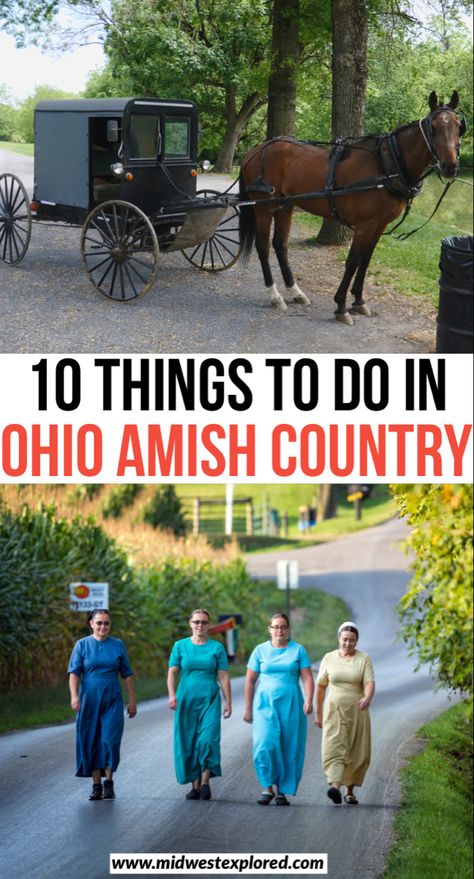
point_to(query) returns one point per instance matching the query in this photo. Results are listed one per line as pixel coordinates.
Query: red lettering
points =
(277, 434)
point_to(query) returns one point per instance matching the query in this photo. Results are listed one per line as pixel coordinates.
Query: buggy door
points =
(158, 154)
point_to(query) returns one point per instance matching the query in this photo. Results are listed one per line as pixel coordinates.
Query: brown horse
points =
(391, 167)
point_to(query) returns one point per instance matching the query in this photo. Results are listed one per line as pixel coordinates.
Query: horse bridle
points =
(426, 127)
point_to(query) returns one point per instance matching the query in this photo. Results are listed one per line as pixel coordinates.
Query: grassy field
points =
(434, 826)
(315, 617)
(24, 149)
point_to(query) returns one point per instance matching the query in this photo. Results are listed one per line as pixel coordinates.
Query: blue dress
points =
(279, 722)
(99, 724)
(197, 720)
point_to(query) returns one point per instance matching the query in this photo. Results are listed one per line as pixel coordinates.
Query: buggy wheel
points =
(222, 249)
(119, 249)
(15, 219)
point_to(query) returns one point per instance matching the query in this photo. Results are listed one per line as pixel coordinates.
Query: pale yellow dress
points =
(346, 729)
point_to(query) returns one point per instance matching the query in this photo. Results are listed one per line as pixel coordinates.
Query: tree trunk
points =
(235, 125)
(284, 68)
(327, 501)
(349, 80)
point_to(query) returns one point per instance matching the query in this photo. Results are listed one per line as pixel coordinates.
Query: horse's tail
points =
(247, 224)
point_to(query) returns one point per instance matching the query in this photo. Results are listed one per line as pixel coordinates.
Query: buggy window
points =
(177, 137)
(144, 133)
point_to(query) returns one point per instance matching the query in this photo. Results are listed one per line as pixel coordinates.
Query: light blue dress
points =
(99, 724)
(197, 721)
(279, 722)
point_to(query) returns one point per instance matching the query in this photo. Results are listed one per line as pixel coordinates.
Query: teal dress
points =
(99, 724)
(279, 722)
(197, 721)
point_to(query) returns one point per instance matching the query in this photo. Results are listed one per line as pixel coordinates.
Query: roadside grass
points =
(412, 266)
(315, 617)
(434, 826)
(25, 149)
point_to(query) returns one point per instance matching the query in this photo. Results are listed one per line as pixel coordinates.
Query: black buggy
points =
(125, 169)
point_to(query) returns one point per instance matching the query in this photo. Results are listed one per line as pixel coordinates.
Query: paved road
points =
(48, 305)
(50, 830)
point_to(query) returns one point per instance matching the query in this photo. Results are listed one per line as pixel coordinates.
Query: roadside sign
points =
(287, 574)
(86, 596)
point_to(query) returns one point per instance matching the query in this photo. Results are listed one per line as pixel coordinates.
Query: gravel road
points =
(48, 305)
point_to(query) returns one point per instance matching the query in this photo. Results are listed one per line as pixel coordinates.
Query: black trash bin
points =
(455, 312)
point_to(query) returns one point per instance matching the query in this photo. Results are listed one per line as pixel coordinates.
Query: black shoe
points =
(205, 792)
(265, 799)
(96, 793)
(281, 800)
(335, 795)
(109, 793)
(193, 794)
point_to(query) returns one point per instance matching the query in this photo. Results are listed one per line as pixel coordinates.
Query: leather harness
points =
(386, 149)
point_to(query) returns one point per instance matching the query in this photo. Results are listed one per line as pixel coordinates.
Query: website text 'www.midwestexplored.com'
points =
(217, 864)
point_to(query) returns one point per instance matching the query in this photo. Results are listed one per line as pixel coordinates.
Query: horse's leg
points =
(363, 244)
(280, 246)
(262, 244)
(352, 262)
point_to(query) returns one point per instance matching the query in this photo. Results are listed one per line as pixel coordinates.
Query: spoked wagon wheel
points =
(119, 249)
(222, 249)
(15, 219)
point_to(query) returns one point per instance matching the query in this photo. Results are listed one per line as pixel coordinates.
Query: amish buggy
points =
(125, 169)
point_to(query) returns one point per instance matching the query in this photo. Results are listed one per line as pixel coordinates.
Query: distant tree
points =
(7, 114)
(24, 117)
(164, 511)
(214, 51)
(436, 611)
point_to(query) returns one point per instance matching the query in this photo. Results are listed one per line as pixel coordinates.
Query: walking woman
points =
(202, 664)
(345, 722)
(278, 711)
(94, 667)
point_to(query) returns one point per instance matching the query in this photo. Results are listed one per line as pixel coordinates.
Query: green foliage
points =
(119, 498)
(7, 114)
(40, 554)
(404, 70)
(21, 18)
(436, 612)
(164, 511)
(172, 588)
(24, 117)
(85, 492)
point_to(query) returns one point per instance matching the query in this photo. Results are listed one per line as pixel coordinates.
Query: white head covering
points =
(346, 625)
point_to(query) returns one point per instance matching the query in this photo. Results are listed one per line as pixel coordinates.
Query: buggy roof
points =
(106, 105)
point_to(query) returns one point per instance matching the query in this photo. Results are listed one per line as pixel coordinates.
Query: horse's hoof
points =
(279, 304)
(361, 309)
(345, 318)
(298, 295)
